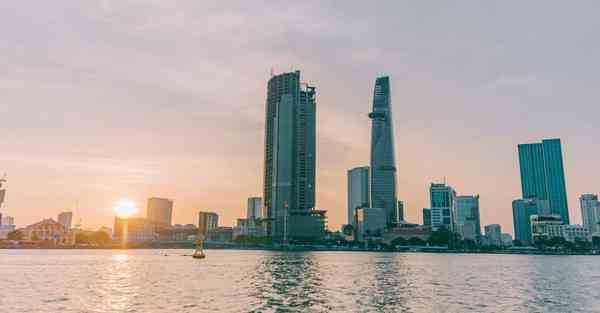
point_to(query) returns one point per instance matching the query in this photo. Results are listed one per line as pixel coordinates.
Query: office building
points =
(545, 227)
(467, 219)
(383, 158)
(426, 217)
(590, 212)
(370, 223)
(65, 219)
(254, 208)
(160, 211)
(290, 156)
(400, 211)
(507, 240)
(247, 227)
(493, 234)
(207, 221)
(442, 203)
(543, 175)
(523, 209)
(358, 191)
(134, 230)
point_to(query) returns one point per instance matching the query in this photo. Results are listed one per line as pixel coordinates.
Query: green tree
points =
(416, 241)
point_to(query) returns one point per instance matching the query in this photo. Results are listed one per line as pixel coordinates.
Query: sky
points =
(108, 100)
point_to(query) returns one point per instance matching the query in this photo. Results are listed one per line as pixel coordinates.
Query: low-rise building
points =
(570, 233)
(493, 234)
(507, 240)
(220, 234)
(407, 232)
(543, 227)
(248, 227)
(48, 230)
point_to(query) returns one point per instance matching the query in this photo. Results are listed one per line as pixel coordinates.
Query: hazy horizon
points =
(136, 99)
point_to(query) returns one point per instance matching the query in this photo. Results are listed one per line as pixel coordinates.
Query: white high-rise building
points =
(590, 212)
(65, 219)
(254, 210)
(443, 201)
(358, 191)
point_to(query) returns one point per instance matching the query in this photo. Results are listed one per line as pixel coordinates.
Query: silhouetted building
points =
(134, 230)
(442, 206)
(370, 223)
(543, 175)
(358, 190)
(400, 211)
(383, 158)
(590, 212)
(290, 156)
(207, 221)
(523, 209)
(160, 211)
(426, 217)
(254, 209)
(467, 219)
(65, 219)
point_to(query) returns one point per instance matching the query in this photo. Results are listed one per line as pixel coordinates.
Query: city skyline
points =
(81, 130)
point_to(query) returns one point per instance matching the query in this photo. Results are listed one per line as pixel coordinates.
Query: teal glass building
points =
(383, 158)
(543, 175)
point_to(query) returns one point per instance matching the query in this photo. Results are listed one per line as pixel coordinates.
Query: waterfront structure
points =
(507, 240)
(65, 219)
(358, 191)
(543, 175)
(207, 221)
(221, 234)
(407, 232)
(383, 158)
(543, 227)
(426, 217)
(401, 212)
(160, 211)
(370, 223)
(254, 208)
(467, 219)
(290, 156)
(570, 233)
(442, 204)
(247, 227)
(2, 196)
(49, 231)
(590, 212)
(134, 230)
(7, 225)
(493, 234)
(523, 209)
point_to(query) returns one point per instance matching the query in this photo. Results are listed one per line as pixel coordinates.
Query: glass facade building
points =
(543, 175)
(467, 219)
(289, 165)
(358, 191)
(383, 158)
(523, 209)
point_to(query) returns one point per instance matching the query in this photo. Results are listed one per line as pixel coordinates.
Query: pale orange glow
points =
(126, 208)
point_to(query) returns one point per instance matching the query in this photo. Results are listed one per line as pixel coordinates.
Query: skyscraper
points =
(289, 171)
(543, 175)
(358, 190)
(254, 209)
(467, 219)
(65, 219)
(523, 209)
(590, 212)
(442, 206)
(160, 211)
(383, 159)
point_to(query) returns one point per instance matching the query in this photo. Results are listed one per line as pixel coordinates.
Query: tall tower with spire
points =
(383, 157)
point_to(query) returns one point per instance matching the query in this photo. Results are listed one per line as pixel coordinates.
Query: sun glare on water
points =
(126, 208)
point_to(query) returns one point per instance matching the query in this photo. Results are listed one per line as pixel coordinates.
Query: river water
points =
(266, 281)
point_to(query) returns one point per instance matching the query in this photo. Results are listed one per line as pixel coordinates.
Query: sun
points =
(126, 208)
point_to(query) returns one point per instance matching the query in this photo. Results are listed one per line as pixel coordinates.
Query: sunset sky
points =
(110, 100)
